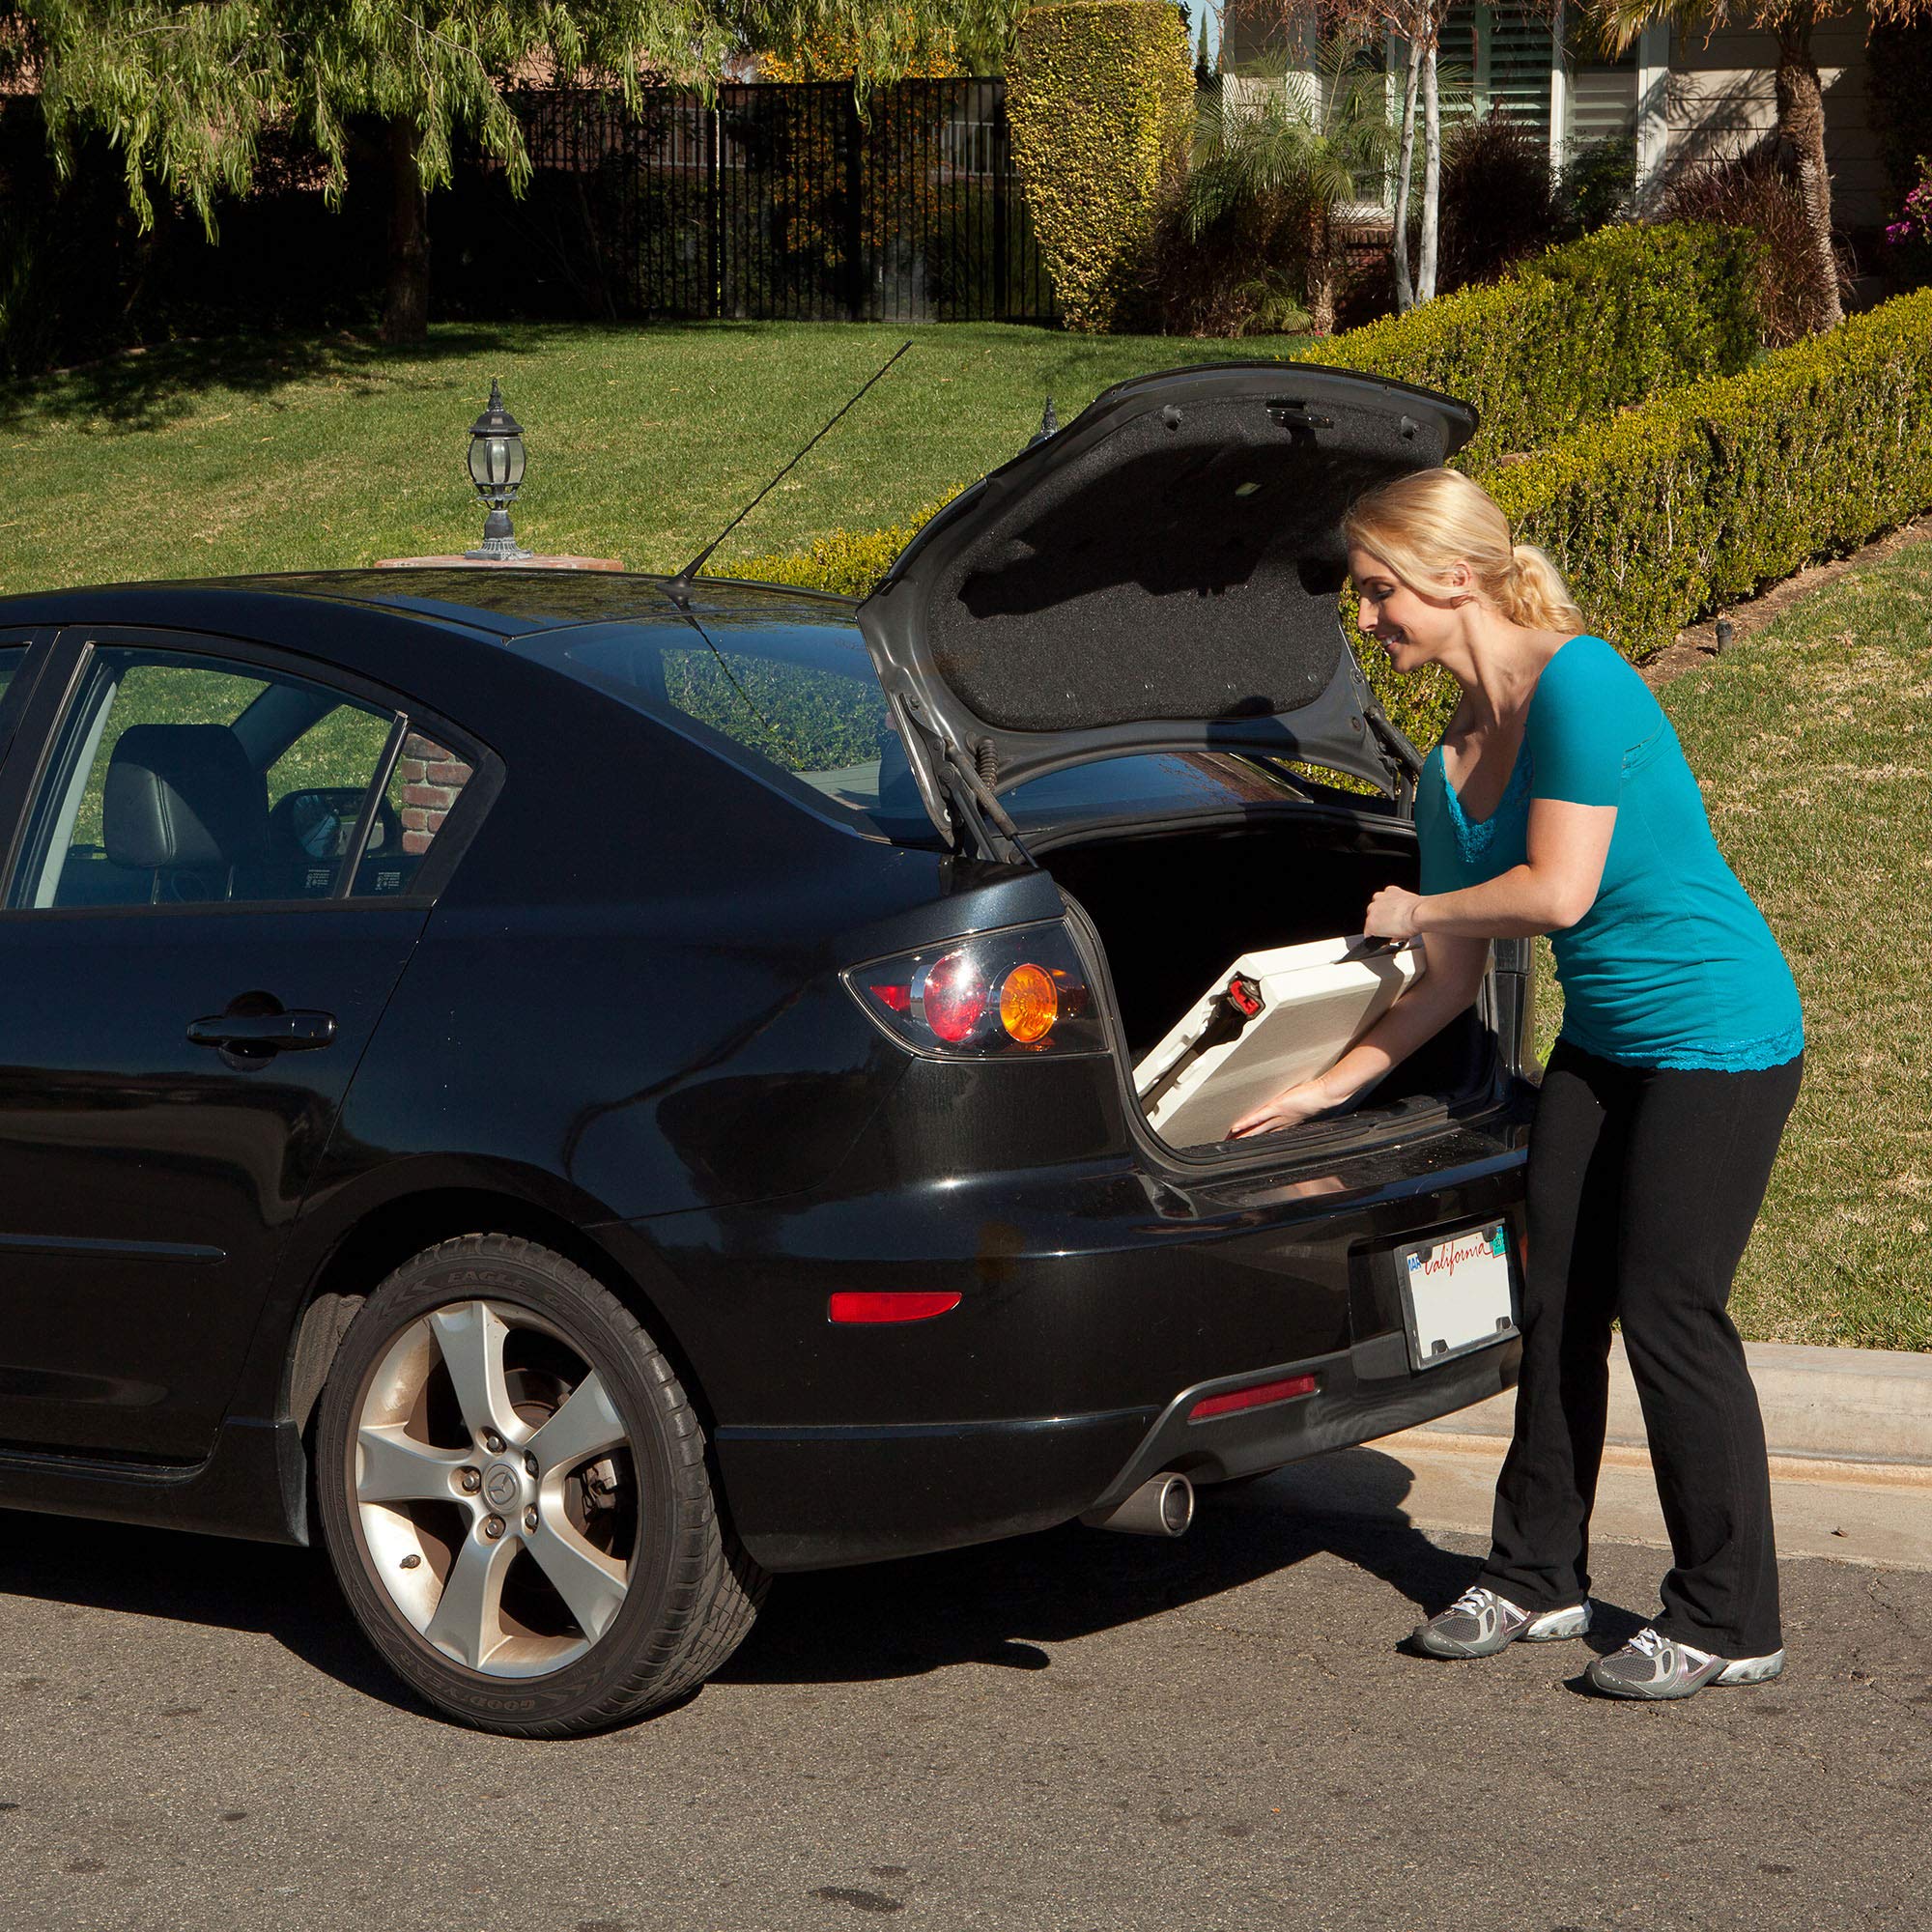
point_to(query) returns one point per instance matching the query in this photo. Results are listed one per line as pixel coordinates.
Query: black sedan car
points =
(586, 1091)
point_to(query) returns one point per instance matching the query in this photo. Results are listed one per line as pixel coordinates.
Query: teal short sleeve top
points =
(1673, 965)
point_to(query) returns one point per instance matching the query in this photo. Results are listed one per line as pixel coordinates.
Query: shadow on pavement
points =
(998, 1601)
(286, 1594)
(993, 1604)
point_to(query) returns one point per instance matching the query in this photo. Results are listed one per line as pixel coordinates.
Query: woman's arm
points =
(1567, 846)
(1422, 1010)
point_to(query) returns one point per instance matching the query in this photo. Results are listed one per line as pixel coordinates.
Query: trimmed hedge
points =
(1583, 329)
(1711, 491)
(1100, 102)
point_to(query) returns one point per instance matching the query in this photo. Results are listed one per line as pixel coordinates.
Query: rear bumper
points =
(1365, 1393)
(1097, 1303)
(815, 1498)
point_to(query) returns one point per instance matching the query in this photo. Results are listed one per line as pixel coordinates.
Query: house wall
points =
(1719, 99)
(1713, 98)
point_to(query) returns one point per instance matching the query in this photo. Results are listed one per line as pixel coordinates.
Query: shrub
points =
(1581, 331)
(1099, 97)
(1228, 254)
(1712, 490)
(1244, 274)
(1908, 240)
(1754, 191)
(1596, 186)
(1253, 228)
(1496, 203)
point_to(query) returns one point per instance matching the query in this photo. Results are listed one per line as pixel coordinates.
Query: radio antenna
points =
(679, 585)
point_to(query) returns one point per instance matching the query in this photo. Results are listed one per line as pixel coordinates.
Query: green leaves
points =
(1100, 95)
(185, 88)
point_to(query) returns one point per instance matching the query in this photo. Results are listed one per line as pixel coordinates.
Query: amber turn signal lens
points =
(1028, 1004)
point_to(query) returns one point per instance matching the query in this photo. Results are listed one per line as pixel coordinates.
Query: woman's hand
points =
(1391, 914)
(1287, 1108)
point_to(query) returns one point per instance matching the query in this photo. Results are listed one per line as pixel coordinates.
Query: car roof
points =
(500, 601)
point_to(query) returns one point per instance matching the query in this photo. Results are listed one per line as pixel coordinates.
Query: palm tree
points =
(1799, 92)
(1295, 152)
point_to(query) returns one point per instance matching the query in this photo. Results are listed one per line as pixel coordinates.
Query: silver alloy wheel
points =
(495, 1488)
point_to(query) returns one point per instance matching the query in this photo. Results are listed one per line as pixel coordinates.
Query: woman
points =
(1560, 801)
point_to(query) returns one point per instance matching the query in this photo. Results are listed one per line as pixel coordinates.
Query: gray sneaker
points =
(1651, 1665)
(1479, 1623)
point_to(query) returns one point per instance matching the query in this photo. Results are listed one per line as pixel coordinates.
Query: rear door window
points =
(179, 780)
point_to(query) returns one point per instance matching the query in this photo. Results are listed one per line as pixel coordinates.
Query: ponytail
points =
(1534, 594)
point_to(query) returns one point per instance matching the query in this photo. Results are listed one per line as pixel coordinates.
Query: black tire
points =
(685, 1594)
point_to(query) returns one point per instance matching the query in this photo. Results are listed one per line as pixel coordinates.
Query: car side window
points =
(190, 780)
(11, 658)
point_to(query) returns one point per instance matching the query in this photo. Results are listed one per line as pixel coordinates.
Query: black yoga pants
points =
(1643, 1186)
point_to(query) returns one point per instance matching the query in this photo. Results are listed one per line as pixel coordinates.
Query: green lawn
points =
(1811, 739)
(642, 442)
(1813, 743)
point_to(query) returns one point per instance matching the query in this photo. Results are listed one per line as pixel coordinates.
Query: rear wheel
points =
(514, 1495)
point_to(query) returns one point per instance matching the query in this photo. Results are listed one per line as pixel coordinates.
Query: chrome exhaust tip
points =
(1162, 1506)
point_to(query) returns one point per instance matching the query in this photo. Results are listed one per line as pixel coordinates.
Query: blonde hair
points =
(1421, 523)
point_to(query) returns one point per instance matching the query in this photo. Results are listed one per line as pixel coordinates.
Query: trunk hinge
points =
(1399, 757)
(972, 797)
(922, 754)
(958, 799)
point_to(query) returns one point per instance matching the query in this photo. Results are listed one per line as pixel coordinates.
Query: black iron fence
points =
(784, 202)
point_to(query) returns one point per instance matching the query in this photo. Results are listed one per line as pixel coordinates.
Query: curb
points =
(1861, 1406)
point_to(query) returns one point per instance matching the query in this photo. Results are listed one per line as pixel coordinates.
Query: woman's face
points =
(1412, 629)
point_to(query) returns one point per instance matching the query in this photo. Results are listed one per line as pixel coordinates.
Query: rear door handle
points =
(265, 1033)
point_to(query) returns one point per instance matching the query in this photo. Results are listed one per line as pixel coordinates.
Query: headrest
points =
(182, 795)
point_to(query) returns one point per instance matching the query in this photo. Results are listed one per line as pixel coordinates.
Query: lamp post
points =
(497, 469)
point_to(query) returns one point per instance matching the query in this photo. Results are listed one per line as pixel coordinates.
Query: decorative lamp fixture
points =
(497, 469)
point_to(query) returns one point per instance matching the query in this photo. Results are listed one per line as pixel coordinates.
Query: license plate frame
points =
(1468, 1300)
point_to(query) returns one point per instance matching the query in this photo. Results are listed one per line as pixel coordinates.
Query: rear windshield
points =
(799, 704)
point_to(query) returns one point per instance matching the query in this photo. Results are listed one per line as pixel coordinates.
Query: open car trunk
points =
(1164, 575)
(1175, 908)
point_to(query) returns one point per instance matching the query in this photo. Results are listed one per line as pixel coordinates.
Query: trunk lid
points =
(1163, 574)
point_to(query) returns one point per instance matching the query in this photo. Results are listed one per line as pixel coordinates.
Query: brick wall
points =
(431, 777)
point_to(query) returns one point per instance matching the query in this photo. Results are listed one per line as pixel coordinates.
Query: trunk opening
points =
(1174, 908)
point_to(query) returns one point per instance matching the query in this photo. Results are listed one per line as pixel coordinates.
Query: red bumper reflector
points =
(1257, 1396)
(890, 1304)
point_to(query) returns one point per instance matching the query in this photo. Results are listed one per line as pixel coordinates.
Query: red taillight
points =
(955, 996)
(1258, 1396)
(916, 1304)
(1019, 990)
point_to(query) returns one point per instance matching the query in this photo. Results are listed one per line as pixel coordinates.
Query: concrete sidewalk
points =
(1850, 1434)
(1829, 1404)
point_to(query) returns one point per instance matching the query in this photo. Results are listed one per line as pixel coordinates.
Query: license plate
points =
(1456, 1294)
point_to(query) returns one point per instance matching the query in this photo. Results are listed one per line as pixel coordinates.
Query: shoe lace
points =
(1475, 1600)
(1647, 1641)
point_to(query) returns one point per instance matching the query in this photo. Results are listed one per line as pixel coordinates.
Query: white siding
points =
(1714, 99)
(1720, 99)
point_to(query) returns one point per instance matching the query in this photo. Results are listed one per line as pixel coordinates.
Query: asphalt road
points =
(1076, 1730)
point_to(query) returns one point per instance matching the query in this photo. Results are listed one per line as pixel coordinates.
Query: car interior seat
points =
(184, 805)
